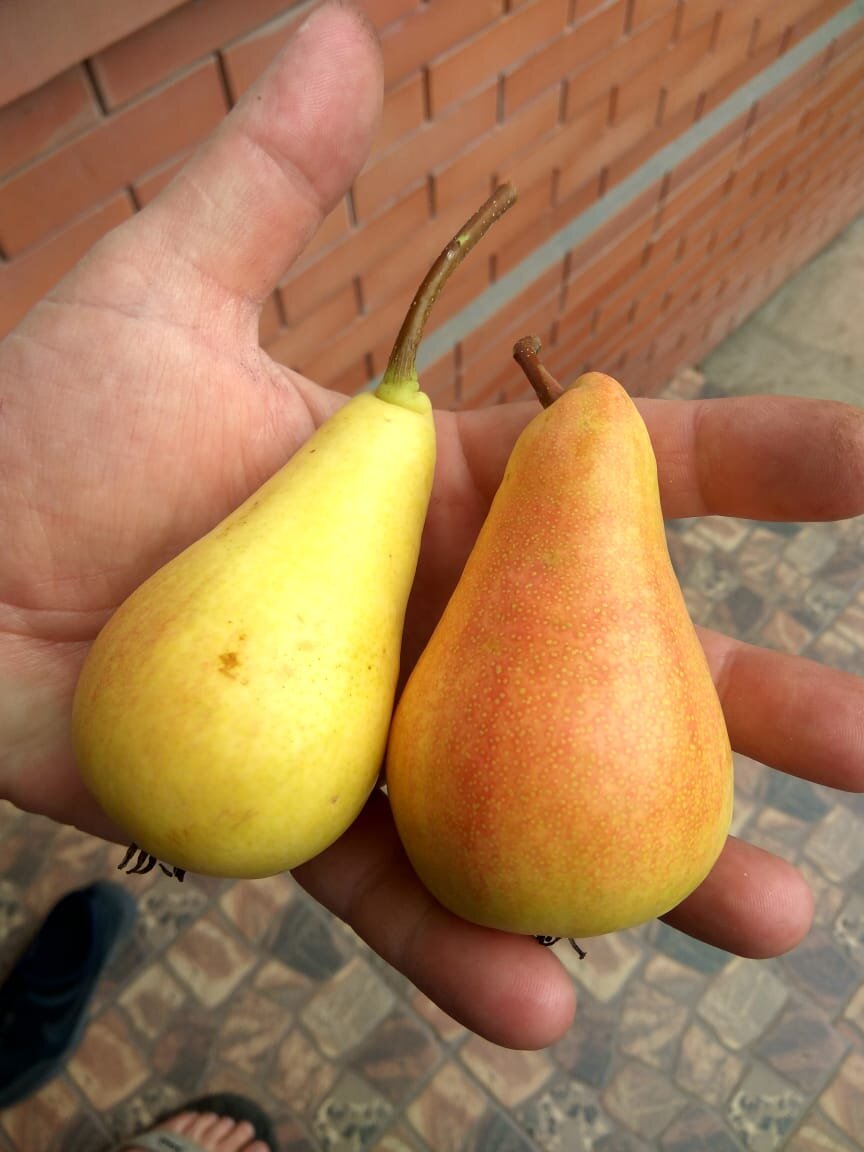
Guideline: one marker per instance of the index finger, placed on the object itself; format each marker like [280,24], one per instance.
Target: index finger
[758,457]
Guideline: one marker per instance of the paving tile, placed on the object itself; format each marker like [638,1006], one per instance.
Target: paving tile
[782,631]
[140,1111]
[448,1029]
[650,1025]
[347,1009]
[817,1135]
[822,970]
[586,1049]
[351,1117]
[152,1000]
[609,964]
[565,1116]
[705,1068]
[397,1056]
[447,1108]
[803,1046]
[642,1099]
[107,1066]
[36,1122]
[778,832]
[300,1076]
[251,1032]
[855,1010]
[210,960]
[254,906]
[306,942]
[698,1128]
[742,1002]
[751,777]
[741,612]
[496,1132]
[703,958]
[795,797]
[843,1100]
[510,1076]
[399,1139]
[811,548]
[764,1110]
[164,910]
[828,898]
[836,845]
[182,1053]
[849,930]
[283,985]
[16,924]
[678,980]
[835,650]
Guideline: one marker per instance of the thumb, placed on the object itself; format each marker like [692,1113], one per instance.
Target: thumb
[245,206]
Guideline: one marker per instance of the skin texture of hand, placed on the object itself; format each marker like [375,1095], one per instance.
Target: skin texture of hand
[137,409]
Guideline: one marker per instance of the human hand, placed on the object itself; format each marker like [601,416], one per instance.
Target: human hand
[137,409]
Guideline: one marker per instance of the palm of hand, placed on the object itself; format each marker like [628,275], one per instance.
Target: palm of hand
[138,409]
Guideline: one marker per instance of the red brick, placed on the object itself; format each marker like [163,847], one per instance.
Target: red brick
[335,228]
[387,177]
[378,240]
[699,12]
[384,12]
[25,280]
[150,185]
[536,225]
[679,70]
[496,152]
[544,291]
[45,118]
[246,59]
[696,69]
[711,180]
[736,77]
[628,57]
[729,139]
[139,62]
[388,277]
[345,350]
[480,375]
[641,11]
[50,192]
[48,40]
[297,344]
[403,113]
[784,15]
[565,142]
[491,50]
[430,30]
[564,55]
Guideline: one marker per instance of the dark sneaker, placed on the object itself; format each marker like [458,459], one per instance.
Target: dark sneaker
[43,1004]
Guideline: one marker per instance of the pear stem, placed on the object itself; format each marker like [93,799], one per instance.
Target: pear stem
[526,353]
[402,366]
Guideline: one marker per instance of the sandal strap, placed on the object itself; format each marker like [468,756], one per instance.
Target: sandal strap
[160,1141]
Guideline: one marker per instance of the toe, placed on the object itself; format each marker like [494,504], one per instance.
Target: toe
[237,1139]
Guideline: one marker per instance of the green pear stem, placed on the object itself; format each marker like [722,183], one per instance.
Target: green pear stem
[402,368]
[526,353]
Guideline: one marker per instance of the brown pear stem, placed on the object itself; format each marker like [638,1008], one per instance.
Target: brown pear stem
[526,353]
[402,363]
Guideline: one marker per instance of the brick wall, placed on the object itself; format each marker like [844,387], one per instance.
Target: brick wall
[568,98]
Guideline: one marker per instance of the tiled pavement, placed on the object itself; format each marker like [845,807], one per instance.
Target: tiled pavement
[677,1046]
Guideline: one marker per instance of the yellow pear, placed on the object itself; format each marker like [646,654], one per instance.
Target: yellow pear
[232,715]
[558,763]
